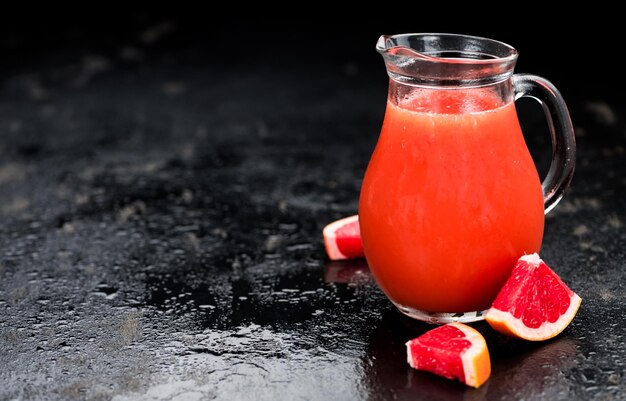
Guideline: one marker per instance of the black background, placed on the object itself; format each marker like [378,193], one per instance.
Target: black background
[580,60]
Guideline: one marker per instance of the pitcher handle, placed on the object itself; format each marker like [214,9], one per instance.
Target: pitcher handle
[561,130]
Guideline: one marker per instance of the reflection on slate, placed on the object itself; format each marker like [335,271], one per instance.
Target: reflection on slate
[347,271]
[160,230]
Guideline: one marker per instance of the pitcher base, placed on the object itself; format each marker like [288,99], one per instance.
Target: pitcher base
[442,318]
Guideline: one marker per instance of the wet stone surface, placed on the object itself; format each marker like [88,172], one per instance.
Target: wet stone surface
[160,239]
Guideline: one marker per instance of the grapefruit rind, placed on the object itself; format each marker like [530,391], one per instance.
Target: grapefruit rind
[476,362]
[475,359]
[531,258]
[506,323]
[330,238]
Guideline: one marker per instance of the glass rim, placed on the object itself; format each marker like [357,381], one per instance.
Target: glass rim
[509,53]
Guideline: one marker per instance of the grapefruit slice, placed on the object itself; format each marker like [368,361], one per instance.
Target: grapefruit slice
[342,239]
[534,303]
[454,351]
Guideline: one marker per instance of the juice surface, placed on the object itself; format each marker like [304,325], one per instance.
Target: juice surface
[450,200]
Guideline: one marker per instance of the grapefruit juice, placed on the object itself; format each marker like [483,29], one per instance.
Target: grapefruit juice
[450,200]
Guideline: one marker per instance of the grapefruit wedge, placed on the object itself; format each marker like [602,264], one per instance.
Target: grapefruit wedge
[342,239]
[454,351]
[534,303]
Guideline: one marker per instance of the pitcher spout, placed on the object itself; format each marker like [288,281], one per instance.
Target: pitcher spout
[388,45]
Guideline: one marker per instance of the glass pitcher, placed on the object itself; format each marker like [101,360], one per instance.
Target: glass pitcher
[451,197]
